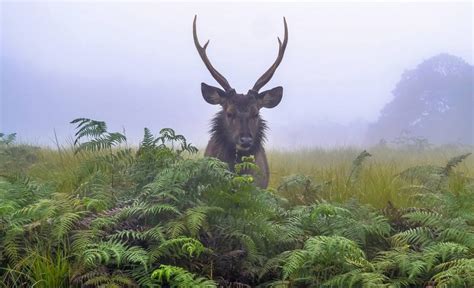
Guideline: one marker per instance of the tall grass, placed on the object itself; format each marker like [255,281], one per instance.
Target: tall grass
[378,181]
[101,214]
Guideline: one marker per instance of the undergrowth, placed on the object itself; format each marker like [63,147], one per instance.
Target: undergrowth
[105,215]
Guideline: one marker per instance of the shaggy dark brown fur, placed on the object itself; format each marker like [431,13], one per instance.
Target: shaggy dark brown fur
[222,147]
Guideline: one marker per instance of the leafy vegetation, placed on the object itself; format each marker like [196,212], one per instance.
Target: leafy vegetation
[102,214]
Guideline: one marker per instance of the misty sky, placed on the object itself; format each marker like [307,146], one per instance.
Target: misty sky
[134,65]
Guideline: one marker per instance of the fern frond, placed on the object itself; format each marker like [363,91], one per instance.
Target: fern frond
[357,167]
[178,277]
[88,128]
[455,161]
[456,273]
[177,247]
[12,243]
[357,278]
[192,220]
[295,260]
[105,252]
[425,218]
[66,223]
[445,251]
[420,235]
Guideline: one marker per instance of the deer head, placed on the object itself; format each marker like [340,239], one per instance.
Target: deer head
[240,118]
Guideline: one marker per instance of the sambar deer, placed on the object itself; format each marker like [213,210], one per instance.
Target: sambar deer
[238,130]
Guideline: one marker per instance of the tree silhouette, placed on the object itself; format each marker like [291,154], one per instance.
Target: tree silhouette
[432,101]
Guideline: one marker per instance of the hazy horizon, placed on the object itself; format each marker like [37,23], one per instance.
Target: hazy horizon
[134,65]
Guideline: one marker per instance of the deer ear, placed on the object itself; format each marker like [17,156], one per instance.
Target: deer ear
[270,98]
[211,94]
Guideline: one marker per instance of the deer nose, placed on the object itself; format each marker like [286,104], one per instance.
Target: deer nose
[245,141]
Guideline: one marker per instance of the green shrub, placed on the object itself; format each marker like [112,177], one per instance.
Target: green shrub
[102,214]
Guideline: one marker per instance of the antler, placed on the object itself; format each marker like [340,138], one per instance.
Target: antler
[202,52]
[269,73]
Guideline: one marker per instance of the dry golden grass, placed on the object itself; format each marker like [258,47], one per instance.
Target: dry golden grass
[378,181]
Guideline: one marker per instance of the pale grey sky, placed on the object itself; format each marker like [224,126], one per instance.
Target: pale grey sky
[134,65]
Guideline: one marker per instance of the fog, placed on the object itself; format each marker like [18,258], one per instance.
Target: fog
[134,65]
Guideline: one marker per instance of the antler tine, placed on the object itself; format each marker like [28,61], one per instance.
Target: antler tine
[269,73]
[202,52]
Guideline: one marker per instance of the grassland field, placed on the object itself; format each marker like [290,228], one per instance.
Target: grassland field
[103,214]
[378,183]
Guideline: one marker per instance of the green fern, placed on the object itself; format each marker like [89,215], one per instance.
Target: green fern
[114,252]
[357,166]
[321,258]
[456,273]
[113,216]
[173,276]
[100,139]
[177,247]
